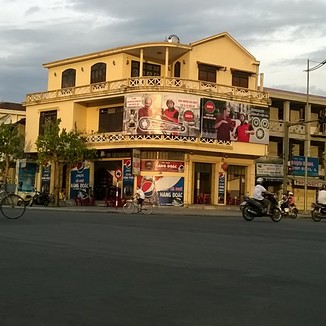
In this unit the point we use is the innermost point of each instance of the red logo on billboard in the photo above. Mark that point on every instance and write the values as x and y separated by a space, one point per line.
189 116
209 107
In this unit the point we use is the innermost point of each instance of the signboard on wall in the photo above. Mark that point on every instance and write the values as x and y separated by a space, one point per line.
163 190
234 121
169 114
298 166
135 162
162 166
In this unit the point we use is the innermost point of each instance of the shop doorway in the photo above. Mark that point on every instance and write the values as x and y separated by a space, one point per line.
236 184
104 180
202 183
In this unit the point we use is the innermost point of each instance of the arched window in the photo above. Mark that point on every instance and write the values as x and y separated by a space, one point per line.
177 69
98 73
68 78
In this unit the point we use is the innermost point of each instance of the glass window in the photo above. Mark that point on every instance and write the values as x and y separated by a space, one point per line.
149 69
111 119
177 69
207 73
68 78
240 79
44 117
98 73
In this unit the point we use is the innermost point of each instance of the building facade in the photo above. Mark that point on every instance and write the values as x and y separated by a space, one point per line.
186 122
296 128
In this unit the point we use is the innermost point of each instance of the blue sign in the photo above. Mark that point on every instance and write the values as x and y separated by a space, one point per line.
298 166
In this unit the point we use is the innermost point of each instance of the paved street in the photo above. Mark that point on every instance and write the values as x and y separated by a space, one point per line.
73 267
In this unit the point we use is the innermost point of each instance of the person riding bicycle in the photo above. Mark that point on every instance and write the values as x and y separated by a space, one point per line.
259 193
140 196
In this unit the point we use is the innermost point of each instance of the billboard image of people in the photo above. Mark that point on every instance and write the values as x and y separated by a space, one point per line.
229 121
169 114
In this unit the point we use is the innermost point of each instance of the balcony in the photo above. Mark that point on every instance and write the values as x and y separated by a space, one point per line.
153 84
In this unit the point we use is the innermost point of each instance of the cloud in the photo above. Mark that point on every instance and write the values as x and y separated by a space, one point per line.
281 35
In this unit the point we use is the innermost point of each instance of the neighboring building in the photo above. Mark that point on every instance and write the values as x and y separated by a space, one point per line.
181 155
305 138
14 113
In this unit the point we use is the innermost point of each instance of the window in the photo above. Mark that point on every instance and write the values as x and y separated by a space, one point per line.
148 69
207 73
46 116
111 119
98 73
177 69
68 78
240 79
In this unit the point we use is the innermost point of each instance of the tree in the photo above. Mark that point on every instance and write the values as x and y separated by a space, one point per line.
59 147
11 146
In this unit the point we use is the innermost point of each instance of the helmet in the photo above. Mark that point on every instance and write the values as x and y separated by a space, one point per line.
290 193
260 180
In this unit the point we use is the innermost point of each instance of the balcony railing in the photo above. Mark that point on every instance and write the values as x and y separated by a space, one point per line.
101 138
149 84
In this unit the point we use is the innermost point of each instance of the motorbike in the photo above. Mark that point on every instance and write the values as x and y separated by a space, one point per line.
251 208
41 198
318 212
25 198
288 210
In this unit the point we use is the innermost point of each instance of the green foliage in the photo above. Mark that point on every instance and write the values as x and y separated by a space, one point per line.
11 141
11 145
60 146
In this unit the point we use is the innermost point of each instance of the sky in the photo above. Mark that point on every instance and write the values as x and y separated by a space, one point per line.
282 34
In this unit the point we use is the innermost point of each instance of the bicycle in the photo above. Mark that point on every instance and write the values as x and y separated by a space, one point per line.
131 206
12 206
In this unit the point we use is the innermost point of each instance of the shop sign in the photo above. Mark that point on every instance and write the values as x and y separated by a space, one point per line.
162 166
269 169
298 166
310 183
221 188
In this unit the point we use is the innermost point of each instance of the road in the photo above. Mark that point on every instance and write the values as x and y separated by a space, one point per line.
86 269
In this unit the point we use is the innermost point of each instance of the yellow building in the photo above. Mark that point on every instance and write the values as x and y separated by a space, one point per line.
188 146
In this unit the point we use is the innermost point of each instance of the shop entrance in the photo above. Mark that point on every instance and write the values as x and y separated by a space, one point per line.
104 183
202 183
236 184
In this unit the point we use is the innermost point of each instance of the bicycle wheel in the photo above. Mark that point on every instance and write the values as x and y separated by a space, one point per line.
147 209
11 206
128 208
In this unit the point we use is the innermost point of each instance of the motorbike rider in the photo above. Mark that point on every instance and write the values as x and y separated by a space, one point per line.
259 192
322 196
291 199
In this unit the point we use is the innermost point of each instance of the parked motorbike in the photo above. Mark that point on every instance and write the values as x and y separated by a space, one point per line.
25 198
288 210
41 198
251 208
318 212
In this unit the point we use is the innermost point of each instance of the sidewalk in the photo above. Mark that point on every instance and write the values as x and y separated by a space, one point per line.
195 210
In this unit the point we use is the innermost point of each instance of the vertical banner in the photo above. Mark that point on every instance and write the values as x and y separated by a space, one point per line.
128 179
46 179
135 162
221 187
79 176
